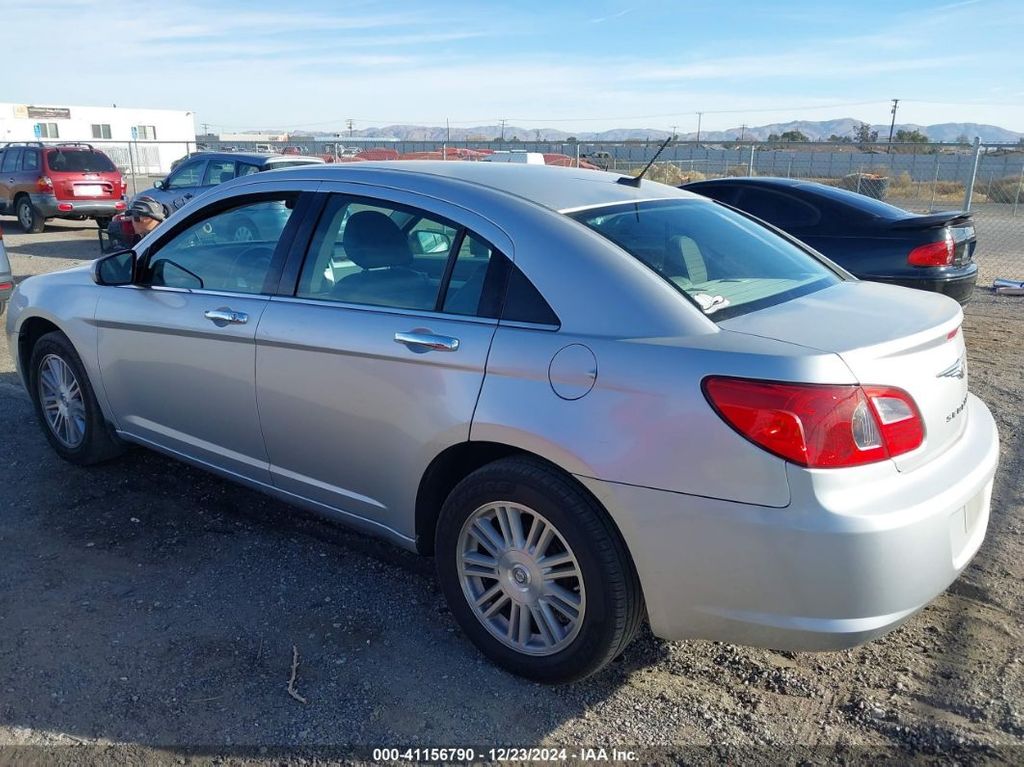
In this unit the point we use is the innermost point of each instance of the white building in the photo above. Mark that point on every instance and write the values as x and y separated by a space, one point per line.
147 139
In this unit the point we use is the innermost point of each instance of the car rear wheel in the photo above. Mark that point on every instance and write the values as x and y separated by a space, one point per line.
29 218
535 572
103 222
66 405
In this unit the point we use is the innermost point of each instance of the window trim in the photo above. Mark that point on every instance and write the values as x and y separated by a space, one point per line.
282 248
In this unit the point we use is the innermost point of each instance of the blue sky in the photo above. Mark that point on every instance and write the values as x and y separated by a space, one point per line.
582 66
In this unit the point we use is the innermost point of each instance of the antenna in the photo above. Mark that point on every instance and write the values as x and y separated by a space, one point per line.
635 180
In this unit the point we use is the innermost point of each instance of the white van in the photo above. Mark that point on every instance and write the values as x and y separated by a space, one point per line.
515 155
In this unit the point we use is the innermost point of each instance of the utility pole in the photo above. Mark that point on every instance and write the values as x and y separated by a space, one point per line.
674 131
350 123
502 129
700 116
892 125
448 130
743 131
206 128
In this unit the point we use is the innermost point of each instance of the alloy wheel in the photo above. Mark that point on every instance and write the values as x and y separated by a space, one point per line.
521 579
61 397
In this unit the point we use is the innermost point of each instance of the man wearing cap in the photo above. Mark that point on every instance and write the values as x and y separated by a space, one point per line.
144 215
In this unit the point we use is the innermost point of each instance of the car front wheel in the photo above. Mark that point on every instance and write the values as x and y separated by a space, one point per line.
535 572
66 405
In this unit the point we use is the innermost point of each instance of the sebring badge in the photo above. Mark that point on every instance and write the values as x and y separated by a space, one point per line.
956 370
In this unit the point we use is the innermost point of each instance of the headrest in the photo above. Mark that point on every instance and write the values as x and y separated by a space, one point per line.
372 240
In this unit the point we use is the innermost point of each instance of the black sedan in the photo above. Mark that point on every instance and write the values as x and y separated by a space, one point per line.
869 238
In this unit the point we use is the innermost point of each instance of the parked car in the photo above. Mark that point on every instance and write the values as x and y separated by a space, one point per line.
6 278
38 182
872 239
294 149
200 172
683 416
514 155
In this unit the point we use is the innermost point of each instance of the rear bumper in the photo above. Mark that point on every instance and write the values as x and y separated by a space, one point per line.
957 286
844 563
47 205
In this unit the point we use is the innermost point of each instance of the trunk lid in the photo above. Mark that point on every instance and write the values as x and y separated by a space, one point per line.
886 335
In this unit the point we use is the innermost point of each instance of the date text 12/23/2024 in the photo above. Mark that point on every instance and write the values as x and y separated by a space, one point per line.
503 754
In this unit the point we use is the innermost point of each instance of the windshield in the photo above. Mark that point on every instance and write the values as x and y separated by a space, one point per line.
722 261
79 161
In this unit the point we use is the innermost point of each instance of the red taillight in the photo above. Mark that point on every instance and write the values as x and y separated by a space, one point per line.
932 254
43 184
819 426
6 285
121 205
65 206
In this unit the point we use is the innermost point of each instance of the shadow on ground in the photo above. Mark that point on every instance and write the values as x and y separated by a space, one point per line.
151 603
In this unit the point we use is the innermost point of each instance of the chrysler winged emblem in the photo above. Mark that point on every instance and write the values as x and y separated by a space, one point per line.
956 370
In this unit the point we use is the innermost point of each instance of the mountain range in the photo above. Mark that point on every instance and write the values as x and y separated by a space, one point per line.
815 131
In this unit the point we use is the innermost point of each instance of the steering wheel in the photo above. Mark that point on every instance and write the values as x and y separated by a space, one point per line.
251 262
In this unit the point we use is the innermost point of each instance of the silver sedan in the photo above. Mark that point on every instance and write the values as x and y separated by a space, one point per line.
594 401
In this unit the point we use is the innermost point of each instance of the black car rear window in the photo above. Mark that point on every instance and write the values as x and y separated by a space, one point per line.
861 202
78 161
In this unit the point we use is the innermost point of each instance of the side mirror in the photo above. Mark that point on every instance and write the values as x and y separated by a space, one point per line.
115 269
426 242
159 183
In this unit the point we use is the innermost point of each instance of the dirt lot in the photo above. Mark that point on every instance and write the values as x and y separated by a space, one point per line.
149 604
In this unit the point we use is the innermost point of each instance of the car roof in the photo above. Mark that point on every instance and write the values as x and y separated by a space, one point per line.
555 187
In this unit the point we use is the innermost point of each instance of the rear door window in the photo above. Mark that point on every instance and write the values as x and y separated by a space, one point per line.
218 171
378 255
724 262
30 160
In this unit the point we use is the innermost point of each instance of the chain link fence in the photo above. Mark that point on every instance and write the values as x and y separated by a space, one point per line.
987 180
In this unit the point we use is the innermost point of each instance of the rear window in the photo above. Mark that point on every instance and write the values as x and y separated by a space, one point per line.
78 161
722 261
861 202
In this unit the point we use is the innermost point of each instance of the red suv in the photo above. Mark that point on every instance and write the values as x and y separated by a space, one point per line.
38 182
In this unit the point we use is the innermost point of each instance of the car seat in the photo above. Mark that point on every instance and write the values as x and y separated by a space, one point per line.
376 245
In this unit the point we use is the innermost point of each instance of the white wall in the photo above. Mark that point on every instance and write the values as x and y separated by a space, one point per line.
175 132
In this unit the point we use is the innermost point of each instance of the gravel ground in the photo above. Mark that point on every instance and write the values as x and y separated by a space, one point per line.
149 604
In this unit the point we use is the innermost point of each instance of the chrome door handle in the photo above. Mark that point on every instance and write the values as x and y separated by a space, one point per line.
427 341
226 316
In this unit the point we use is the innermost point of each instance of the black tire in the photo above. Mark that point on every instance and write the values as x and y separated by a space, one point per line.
32 222
614 600
102 222
99 442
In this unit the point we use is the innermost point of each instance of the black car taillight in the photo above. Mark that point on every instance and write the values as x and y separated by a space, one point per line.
934 253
